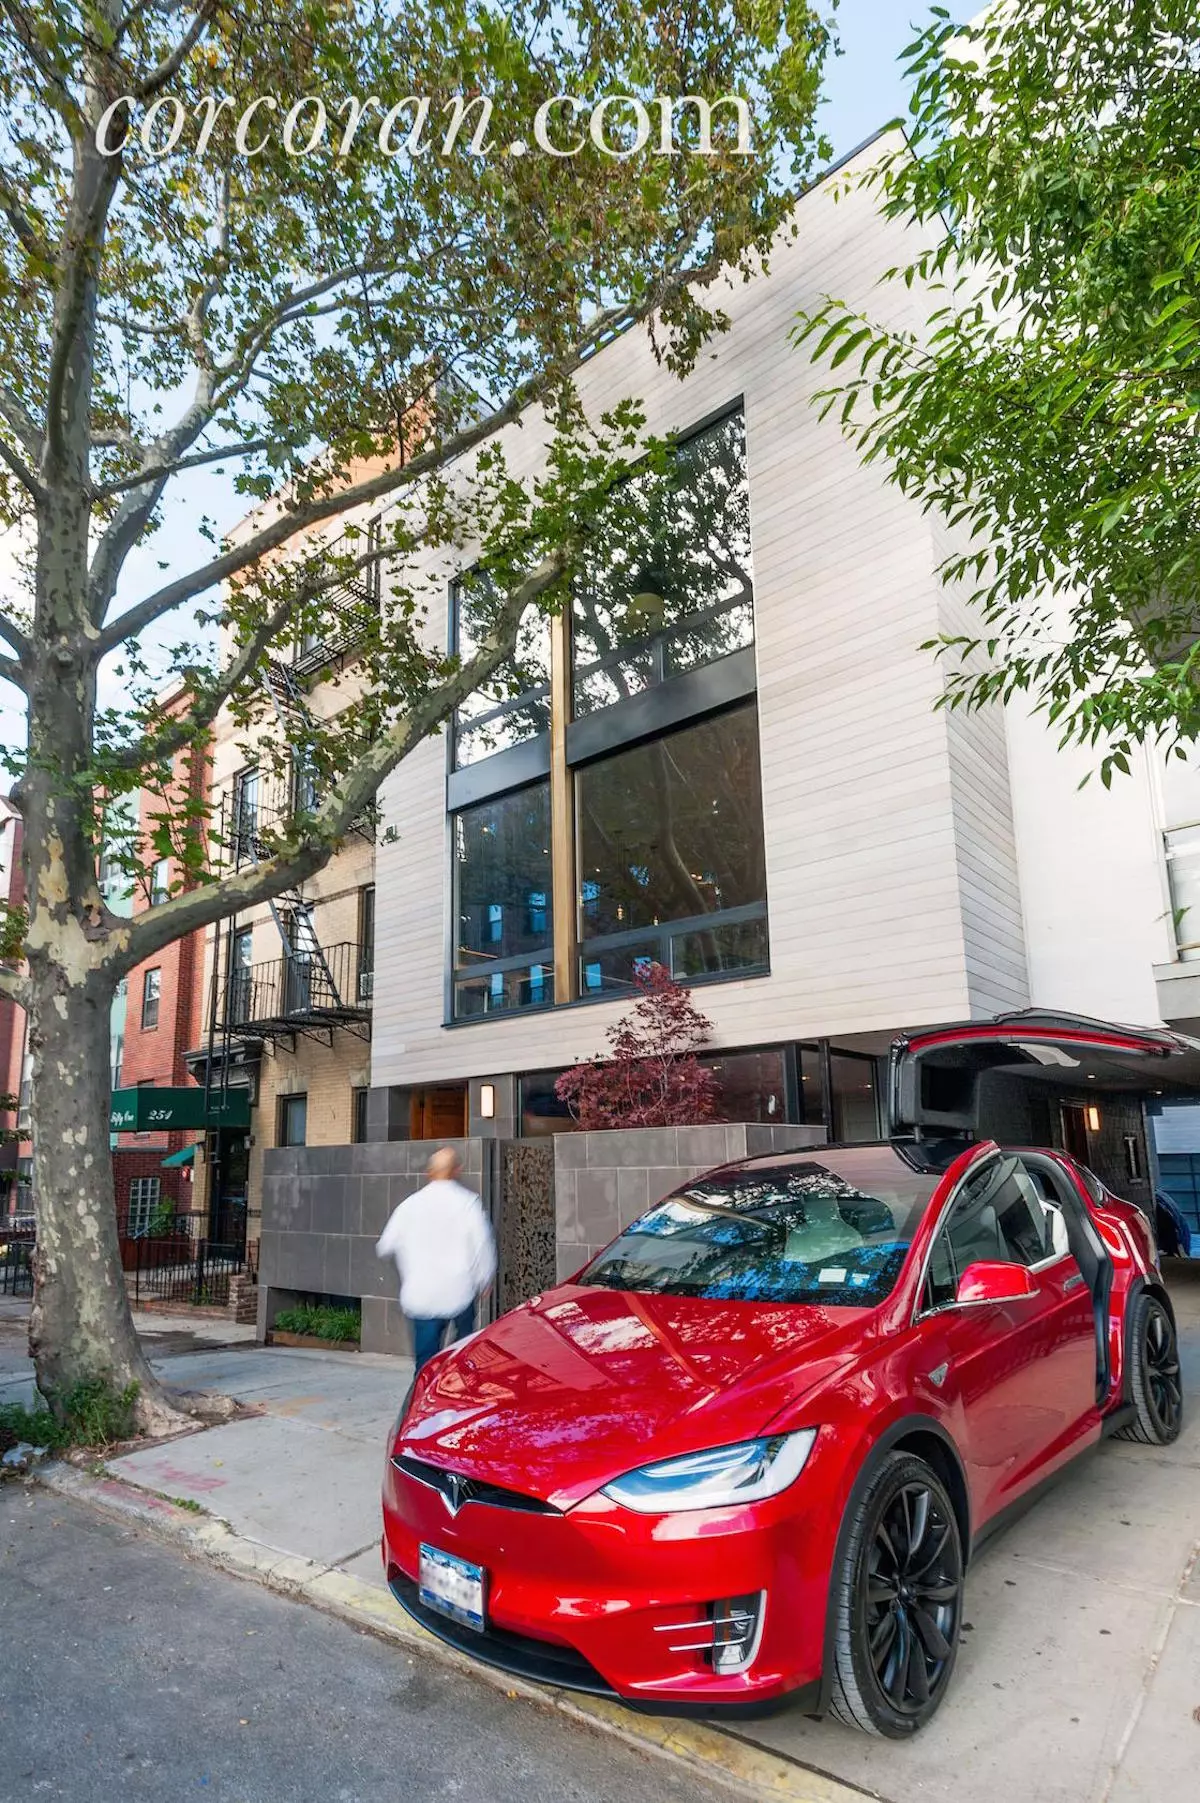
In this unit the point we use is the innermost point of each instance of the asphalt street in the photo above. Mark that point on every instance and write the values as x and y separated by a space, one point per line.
131 1672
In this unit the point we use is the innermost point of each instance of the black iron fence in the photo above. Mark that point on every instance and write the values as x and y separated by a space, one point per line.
177 1261
16 1260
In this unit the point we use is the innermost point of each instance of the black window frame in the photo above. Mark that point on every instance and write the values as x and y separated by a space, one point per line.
283 1108
359 1095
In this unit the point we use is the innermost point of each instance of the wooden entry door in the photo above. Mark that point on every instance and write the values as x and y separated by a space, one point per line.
438 1113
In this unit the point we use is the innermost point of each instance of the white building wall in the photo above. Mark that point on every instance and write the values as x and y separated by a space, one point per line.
1097 914
890 853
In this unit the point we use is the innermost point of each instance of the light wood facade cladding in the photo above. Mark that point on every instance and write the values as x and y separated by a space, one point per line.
891 867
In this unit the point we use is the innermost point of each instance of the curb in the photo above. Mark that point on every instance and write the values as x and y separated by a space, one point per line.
703 1750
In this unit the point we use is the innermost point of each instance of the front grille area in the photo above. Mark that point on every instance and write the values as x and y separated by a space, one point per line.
540 1660
458 1490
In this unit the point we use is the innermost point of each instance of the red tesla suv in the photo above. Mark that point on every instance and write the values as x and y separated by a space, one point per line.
746 1452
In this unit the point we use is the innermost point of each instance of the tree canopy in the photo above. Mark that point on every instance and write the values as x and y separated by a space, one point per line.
332 249
1049 405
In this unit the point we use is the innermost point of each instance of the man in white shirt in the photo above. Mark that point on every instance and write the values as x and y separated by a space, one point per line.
445 1254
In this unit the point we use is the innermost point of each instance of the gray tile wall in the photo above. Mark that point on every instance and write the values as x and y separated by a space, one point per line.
602 1181
325 1206
323 1209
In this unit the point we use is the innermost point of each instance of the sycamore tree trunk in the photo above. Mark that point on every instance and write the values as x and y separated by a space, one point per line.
81 1329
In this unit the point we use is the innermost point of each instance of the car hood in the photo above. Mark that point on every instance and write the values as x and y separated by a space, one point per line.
581 1384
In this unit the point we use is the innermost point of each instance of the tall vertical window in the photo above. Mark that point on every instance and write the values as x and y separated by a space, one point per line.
514 705
160 882
358 1115
151 995
667 583
366 943
671 856
304 783
246 789
502 952
241 980
302 956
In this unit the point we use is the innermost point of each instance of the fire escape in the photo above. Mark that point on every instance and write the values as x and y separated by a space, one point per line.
312 989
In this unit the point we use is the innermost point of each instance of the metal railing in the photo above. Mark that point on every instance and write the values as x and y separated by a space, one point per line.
16 1260
301 986
253 822
176 1261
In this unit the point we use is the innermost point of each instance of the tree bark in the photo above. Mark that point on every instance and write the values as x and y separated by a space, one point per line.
81 1329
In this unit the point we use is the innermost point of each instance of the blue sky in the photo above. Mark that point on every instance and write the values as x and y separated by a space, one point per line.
864 90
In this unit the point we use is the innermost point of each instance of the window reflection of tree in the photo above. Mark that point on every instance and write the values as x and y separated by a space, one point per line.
515 704
674 829
667 580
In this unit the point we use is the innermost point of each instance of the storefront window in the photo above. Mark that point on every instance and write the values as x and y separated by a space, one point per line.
751 1086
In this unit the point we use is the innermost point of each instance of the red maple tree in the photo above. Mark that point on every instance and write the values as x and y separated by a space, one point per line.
652 1077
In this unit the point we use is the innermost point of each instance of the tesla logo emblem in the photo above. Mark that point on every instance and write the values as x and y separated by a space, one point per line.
454 1493
938 1374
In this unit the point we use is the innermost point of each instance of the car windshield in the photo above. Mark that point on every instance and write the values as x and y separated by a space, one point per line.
795 1232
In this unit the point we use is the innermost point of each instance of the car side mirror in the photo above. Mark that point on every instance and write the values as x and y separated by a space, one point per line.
992 1280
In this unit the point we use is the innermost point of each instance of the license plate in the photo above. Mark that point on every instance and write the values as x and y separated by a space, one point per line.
451 1585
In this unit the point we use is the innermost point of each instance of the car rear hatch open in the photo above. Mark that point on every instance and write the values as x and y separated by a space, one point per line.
942 1078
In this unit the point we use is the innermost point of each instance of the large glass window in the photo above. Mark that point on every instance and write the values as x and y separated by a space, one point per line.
667 584
503 905
671 856
752 1086
515 705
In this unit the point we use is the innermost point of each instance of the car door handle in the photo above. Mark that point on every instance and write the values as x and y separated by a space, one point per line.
1073 1283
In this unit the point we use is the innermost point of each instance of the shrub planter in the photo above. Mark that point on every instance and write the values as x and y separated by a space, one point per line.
277 1337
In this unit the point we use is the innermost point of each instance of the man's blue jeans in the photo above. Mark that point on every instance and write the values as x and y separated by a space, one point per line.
428 1332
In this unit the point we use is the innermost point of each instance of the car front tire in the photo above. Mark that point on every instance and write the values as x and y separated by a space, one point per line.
1155 1389
897 1601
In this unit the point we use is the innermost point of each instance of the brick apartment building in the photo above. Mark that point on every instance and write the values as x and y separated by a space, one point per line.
163 1012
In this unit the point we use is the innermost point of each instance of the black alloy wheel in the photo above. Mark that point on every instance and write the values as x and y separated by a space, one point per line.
1155 1383
900 1602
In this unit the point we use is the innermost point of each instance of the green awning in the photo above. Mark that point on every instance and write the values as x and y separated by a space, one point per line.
153 1108
184 1156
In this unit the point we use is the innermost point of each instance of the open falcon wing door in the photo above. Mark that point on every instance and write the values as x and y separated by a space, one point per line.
935 1076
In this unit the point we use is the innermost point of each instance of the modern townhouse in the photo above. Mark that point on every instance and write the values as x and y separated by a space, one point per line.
727 757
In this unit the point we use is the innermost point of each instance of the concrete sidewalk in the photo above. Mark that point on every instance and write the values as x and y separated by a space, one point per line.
1077 1681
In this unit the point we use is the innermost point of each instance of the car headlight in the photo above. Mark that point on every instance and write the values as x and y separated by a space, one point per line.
716 1479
